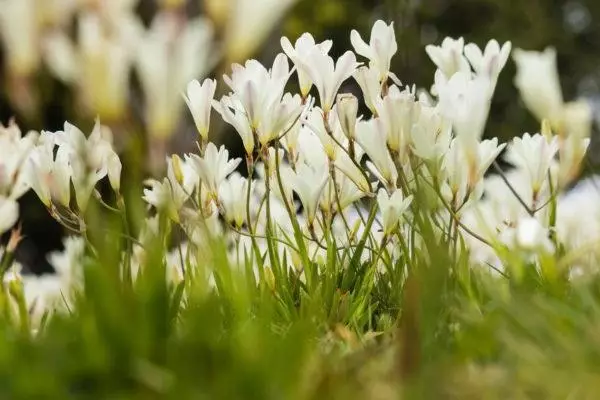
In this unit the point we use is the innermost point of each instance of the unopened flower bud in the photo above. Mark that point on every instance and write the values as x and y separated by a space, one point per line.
14 240
177 171
546 129
347 109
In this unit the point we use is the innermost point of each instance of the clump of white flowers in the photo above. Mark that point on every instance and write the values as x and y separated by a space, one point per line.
326 184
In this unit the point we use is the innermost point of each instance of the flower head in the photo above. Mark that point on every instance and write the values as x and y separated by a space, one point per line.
392 208
381 48
538 83
214 167
199 100
326 76
301 51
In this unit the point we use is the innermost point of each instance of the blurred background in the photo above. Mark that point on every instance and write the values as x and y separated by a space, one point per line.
127 62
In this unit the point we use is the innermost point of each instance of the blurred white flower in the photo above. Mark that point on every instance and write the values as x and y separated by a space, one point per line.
538 83
571 154
199 100
449 56
491 61
578 119
301 51
381 48
99 64
465 101
248 24
392 207
20 32
168 57
531 235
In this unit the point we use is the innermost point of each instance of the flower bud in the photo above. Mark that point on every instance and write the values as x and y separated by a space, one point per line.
177 171
546 129
14 240
347 108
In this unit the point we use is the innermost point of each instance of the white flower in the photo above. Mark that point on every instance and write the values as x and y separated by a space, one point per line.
232 196
491 61
199 100
578 119
9 213
163 197
571 154
398 112
308 183
49 177
531 235
214 167
431 134
327 77
372 138
316 122
347 193
392 208
168 57
99 63
279 118
300 51
465 101
232 112
20 31
381 48
14 150
368 80
465 177
89 159
344 164
248 24
538 83
68 263
256 87
260 92
347 108
449 56
534 154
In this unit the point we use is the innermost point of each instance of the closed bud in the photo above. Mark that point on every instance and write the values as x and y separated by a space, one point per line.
347 109
177 171
546 129
14 240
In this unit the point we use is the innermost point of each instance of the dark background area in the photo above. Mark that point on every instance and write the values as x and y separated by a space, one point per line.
572 26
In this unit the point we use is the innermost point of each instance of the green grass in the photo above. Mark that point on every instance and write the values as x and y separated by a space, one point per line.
431 327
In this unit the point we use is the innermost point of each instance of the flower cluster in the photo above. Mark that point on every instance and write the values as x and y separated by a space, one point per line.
328 186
